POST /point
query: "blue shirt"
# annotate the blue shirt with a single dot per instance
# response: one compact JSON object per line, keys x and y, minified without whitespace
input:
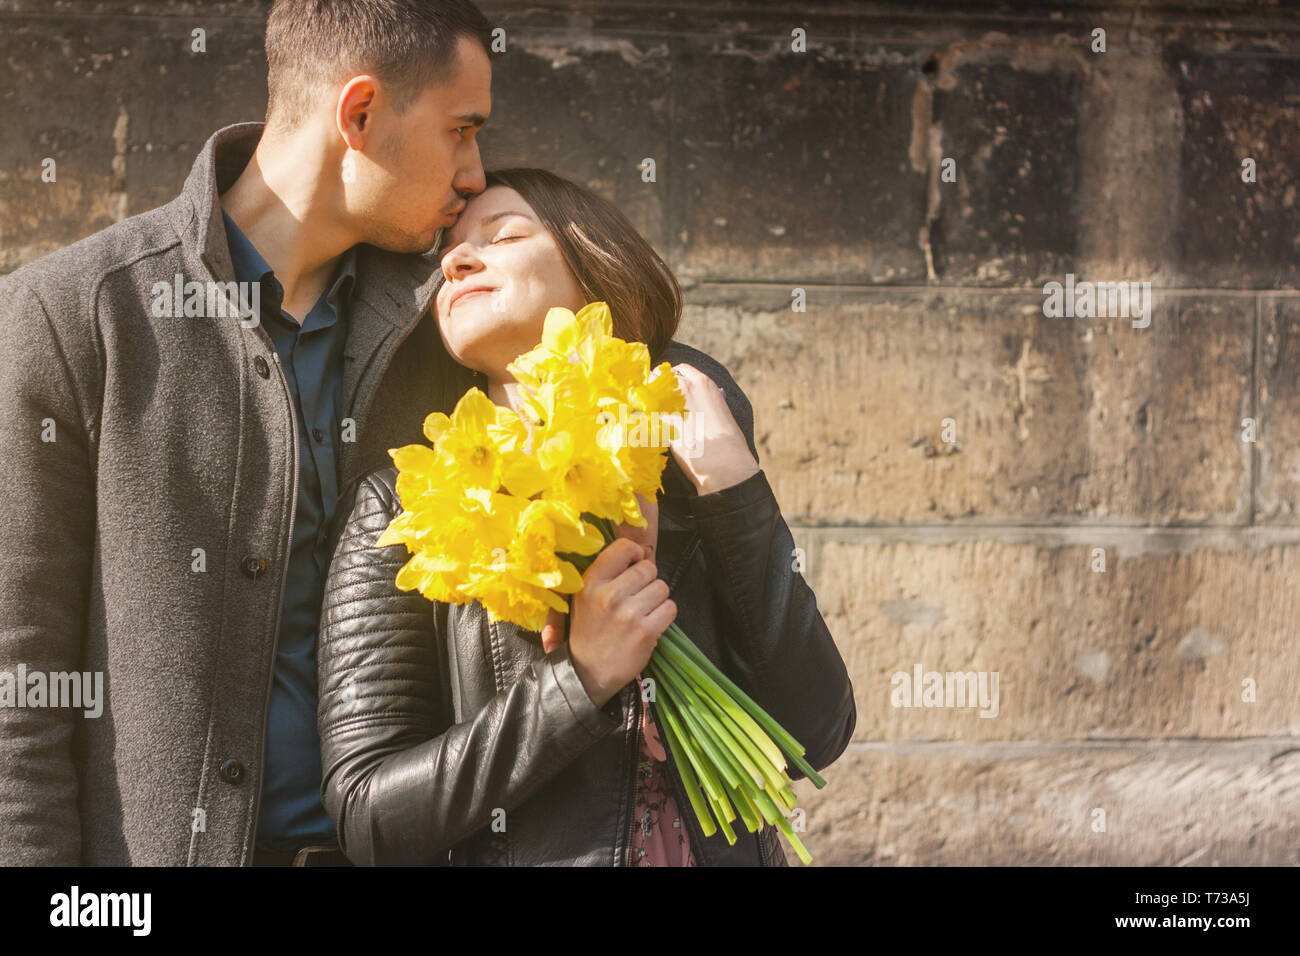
{"x":311,"y":357}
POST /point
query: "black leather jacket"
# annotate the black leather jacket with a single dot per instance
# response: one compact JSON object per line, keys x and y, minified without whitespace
{"x":448,"y":740}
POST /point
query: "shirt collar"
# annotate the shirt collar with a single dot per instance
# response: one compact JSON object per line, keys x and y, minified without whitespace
{"x":251,"y":267}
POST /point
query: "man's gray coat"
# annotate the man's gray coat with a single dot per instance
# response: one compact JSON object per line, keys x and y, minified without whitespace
{"x":149,"y":468}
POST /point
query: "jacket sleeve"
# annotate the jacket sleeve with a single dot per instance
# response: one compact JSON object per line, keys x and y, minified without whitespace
{"x":401,"y":782}
{"x":47,"y":521}
{"x":778,"y":647}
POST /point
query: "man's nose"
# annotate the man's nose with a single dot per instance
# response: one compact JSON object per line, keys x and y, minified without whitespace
{"x":471,"y":180}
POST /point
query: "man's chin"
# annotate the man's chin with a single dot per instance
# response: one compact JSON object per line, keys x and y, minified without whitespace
{"x":407,"y":243}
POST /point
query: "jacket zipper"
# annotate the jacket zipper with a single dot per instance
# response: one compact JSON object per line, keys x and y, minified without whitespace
{"x":693,"y":831}
{"x":279,"y":601}
{"x":684,"y":808}
{"x":695,"y":835}
{"x":636,"y":764}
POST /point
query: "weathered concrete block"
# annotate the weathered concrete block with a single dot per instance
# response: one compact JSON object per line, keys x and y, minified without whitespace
{"x":1277,"y":492}
{"x":796,"y":165}
{"x":1130,"y":129}
{"x":591,"y":109}
{"x":1052,"y":419}
{"x":1191,"y":804}
{"x":1006,"y":119}
{"x":1181,"y":635}
{"x":1235,"y":234}
{"x":89,"y":100}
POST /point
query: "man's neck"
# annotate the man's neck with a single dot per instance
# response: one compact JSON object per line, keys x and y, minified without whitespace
{"x":289,"y":206}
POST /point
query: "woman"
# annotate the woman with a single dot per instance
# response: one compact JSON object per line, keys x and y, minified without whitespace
{"x":448,"y":739}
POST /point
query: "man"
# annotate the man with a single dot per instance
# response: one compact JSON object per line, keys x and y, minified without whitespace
{"x":183,"y":398}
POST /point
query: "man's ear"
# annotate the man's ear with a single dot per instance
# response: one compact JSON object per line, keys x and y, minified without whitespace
{"x":352,"y":110}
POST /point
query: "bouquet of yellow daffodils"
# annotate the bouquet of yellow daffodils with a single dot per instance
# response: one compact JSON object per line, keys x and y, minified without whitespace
{"x":508,"y":508}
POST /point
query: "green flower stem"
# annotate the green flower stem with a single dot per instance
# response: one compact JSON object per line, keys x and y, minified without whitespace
{"x":774,"y":815}
{"x":675,"y":729}
{"x":689,"y":778}
{"x":689,"y":701}
{"x":753,"y":805}
{"x":716,"y":794}
{"x":723,"y":824}
{"x":717,"y":800}
{"x":703,"y":735}
{"x":745,"y":807}
{"x":795,"y":842}
{"x":726,"y":745}
{"x":769,"y":773}
{"x":767,"y":806}
{"x":678,"y":639}
{"x":787,"y":798}
{"x":794,"y":750}
{"x":748,"y":809}
{"x":747,"y":731}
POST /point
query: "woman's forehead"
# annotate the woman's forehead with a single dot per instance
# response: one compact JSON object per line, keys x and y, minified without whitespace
{"x":489,"y":204}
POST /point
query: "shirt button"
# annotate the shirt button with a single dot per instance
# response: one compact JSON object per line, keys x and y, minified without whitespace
{"x":263,"y":369}
{"x":317,"y":434}
{"x":254,"y":564}
{"x":232,"y":771}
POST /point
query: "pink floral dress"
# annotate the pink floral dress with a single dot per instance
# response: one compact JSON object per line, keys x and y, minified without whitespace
{"x":660,"y":837}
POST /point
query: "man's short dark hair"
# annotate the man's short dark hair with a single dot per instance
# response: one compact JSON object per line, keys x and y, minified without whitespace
{"x":410,"y":45}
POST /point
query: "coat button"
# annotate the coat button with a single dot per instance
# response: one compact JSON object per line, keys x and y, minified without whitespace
{"x":317,"y":434}
{"x":254,"y":565}
{"x":232,"y":771}
{"x":263,"y":369}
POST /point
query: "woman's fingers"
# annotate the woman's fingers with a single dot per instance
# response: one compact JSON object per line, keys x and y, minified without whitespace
{"x":649,"y":535}
{"x":711,"y":448}
{"x":691,"y":378}
{"x":612,"y":561}
{"x":659,"y":619}
{"x":632,"y":581}
{"x":618,"y":617}
{"x":555,"y":630}
{"x":648,"y":598}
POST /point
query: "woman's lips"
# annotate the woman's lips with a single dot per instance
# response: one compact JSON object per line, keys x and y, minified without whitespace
{"x":466,"y":295}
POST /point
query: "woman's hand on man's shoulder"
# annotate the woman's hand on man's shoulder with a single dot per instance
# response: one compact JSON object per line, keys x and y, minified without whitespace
{"x":709,"y":447}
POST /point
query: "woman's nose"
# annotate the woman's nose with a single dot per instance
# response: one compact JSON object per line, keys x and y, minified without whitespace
{"x":460,"y":261}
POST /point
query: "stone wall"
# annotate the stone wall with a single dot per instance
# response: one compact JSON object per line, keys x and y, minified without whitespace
{"x":865,"y":229}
